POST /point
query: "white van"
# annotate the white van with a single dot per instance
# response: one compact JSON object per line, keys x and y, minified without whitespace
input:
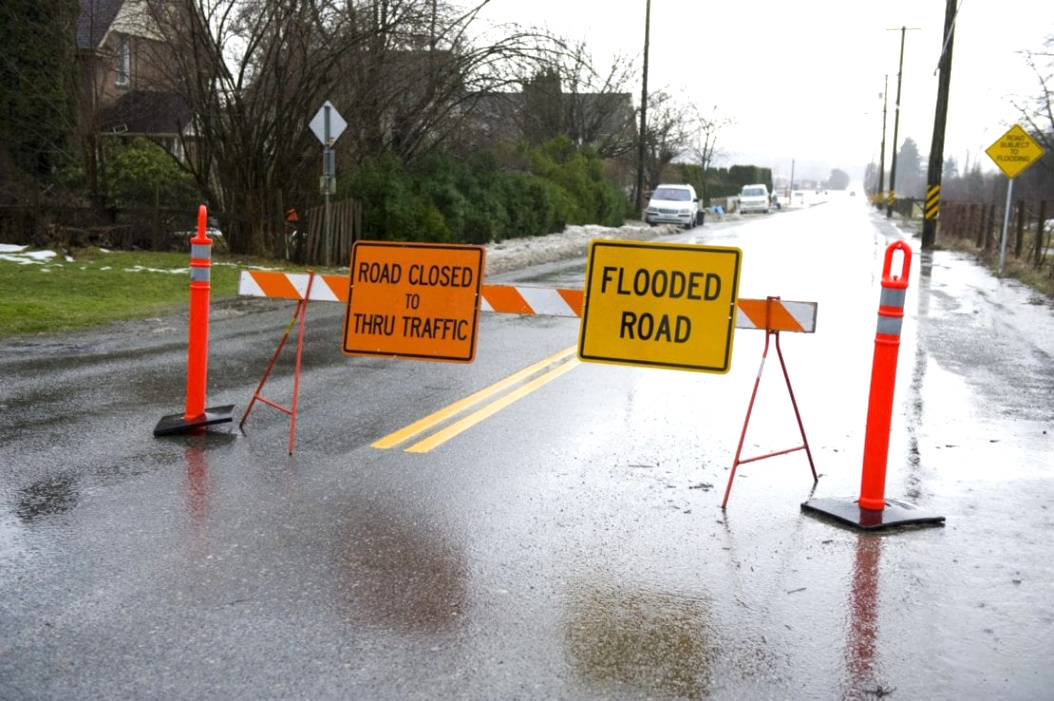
{"x":754,"y":198}
{"x":674,"y":204}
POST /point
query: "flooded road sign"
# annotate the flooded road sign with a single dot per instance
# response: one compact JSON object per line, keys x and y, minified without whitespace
{"x":414,"y":300}
{"x":660,"y":305}
{"x":1014,"y":151}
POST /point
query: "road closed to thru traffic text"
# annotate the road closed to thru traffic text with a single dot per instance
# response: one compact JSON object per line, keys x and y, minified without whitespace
{"x":414,"y":300}
{"x":660,"y":305}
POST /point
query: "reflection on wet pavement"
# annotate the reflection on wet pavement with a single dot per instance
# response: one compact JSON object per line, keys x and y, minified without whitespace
{"x":862,"y":632}
{"x":403,"y":575}
{"x":651,"y":641}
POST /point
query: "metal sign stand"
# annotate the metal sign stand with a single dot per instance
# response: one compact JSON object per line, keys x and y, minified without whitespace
{"x":301,"y":312}
{"x":769,"y":334}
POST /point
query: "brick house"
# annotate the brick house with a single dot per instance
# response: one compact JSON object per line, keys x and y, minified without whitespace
{"x":126,"y":92}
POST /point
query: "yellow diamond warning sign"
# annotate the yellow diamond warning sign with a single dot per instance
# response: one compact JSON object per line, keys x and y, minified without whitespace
{"x":660,"y":305}
{"x":1014,"y":151}
{"x":414,"y":300}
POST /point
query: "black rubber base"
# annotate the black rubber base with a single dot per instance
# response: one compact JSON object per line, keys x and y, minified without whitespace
{"x":848,"y":511}
{"x":174,"y":424}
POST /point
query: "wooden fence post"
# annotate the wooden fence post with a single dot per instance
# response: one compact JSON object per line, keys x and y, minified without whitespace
{"x":977,"y":223}
{"x":1019,"y":241}
{"x":988,"y":227}
{"x":1041,"y":243}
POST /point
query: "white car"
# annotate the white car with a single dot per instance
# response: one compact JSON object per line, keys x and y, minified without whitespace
{"x":674,"y":204}
{"x":754,"y":198}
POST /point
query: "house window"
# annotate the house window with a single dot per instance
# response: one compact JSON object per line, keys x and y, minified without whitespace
{"x":124,"y":62}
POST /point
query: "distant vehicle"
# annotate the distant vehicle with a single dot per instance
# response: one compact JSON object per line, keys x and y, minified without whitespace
{"x":852,"y":193}
{"x":754,"y":198}
{"x":674,"y":204}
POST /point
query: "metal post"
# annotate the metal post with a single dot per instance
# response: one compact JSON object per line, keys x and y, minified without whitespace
{"x":1006,"y":222}
{"x":326,"y":175}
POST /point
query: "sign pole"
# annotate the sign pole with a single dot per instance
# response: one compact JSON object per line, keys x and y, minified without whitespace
{"x":1006,"y":223}
{"x":1013,"y":152}
{"x":328,"y":125}
{"x":326,"y":148}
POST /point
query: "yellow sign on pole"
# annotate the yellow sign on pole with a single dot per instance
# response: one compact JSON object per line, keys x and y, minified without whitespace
{"x":660,"y":305}
{"x":414,"y":300}
{"x":1015,"y":151}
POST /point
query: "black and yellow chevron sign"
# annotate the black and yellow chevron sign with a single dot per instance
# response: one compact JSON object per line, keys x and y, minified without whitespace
{"x":933,"y":201}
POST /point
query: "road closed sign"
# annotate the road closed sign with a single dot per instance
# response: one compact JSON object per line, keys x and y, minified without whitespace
{"x":414,"y":300}
{"x":660,"y":305}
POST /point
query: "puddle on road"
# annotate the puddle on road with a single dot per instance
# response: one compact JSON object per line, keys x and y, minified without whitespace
{"x":402,"y":573}
{"x":656,"y":642}
{"x":47,"y":496}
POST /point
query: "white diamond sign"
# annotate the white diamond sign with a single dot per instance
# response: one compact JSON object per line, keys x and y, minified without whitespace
{"x":327,"y":124}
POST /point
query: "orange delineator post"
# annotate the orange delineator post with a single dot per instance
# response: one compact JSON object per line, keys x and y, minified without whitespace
{"x":301,"y":312}
{"x":196,"y":417}
{"x":871,"y":511}
{"x":198,"y":346}
{"x":771,"y":308}
{"x":883,"y":379}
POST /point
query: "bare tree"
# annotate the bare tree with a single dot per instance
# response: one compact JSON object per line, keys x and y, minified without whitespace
{"x":667,"y":134}
{"x":703,"y":133}
{"x":599,"y":109}
{"x":1039,"y":114}
{"x":428,"y":66}
{"x":402,"y":72}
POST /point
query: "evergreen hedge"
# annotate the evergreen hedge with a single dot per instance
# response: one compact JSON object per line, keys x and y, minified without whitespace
{"x":540,"y":190}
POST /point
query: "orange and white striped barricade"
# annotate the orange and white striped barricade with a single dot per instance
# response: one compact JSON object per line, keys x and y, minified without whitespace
{"x":872,"y":510}
{"x":773,"y":315}
{"x":301,"y":313}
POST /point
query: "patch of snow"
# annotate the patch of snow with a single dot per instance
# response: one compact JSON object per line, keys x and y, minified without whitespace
{"x":573,"y":241}
{"x":503,"y":256}
{"x":23,"y":257}
{"x":142,"y":269}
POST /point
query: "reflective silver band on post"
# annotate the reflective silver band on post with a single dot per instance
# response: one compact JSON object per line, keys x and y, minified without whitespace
{"x":892,"y":297}
{"x":199,"y":274}
{"x":200,"y":251}
{"x":889,"y":325}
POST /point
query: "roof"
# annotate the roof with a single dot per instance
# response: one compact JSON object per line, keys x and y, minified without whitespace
{"x":147,"y":112}
{"x":95,"y":20}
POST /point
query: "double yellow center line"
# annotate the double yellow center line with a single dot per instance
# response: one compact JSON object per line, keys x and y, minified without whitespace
{"x":563,"y":361}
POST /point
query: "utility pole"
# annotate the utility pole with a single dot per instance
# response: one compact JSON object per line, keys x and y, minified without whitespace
{"x":896,"y":127}
{"x":940,"y":118}
{"x":882,"y":156}
{"x":643,"y":109}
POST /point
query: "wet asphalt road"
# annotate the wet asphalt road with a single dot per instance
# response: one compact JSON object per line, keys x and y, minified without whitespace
{"x":569,"y":546}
